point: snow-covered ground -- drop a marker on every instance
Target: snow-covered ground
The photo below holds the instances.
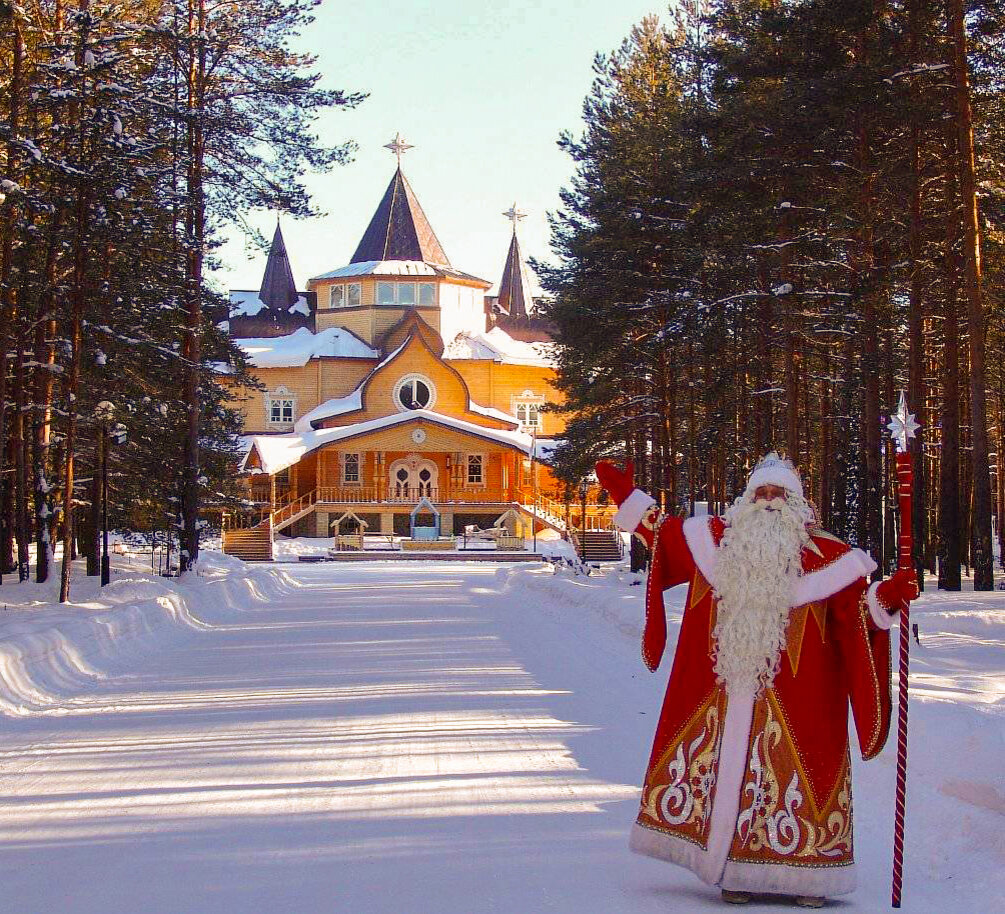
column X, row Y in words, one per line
column 410, row 738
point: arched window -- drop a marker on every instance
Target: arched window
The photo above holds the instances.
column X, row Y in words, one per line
column 527, row 409
column 280, row 407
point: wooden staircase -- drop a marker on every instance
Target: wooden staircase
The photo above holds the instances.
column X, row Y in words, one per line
column 252, row 544
column 293, row 510
column 602, row 546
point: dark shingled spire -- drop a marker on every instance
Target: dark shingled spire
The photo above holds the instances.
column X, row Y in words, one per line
column 279, row 291
column 399, row 229
column 515, row 295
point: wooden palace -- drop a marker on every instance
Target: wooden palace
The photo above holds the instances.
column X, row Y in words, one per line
column 392, row 380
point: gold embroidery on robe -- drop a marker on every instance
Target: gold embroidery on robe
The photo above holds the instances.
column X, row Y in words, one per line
column 680, row 788
column 779, row 820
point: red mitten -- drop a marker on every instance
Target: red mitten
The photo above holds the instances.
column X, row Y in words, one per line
column 619, row 484
column 898, row 590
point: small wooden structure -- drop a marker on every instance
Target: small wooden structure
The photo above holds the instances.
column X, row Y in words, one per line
column 352, row 539
column 424, row 533
column 505, row 531
column 425, row 537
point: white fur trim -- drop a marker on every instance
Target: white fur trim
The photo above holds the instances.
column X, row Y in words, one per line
column 698, row 536
column 633, row 509
column 666, row 846
column 782, row 879
column 880, row 614
column 775, row 474
column 817, row 585
column 832, row 578
column 733, row 754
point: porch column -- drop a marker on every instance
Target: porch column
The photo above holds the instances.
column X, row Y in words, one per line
column 387, row 522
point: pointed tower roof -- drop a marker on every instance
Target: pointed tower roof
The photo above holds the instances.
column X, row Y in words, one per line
column 399, row 229
column 278, row 291
column 516, row 297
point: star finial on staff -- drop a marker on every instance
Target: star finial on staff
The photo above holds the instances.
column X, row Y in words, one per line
column 398, row 146
column 514, row 215
column 902, row 426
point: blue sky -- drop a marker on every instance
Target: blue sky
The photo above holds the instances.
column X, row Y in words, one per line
column 481, row 89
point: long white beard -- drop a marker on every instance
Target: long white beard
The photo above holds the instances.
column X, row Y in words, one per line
column 758, row 565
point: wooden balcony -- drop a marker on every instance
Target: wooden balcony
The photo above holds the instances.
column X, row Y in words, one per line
column 411, row 495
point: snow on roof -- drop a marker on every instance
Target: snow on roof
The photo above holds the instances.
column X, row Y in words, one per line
column 245, row 303
column 299, row 347
column 492, row 412
column 334, row 407
column 338, row 406
column 396, row 268
column 277, row 452
column 499, row 346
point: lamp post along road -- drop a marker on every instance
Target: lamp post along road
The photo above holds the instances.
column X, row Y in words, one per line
column 104, row 412
column 533, row 482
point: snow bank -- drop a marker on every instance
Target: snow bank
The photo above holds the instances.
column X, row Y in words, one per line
column 50, row 652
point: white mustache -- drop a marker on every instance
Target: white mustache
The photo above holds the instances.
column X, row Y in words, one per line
column 774, row 504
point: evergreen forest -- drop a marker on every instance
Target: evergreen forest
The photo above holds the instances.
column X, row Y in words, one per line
column 131, row 135
column 782, row 215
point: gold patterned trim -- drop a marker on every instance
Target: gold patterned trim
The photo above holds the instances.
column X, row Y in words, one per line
column 875, row 745
column 674, row 742
column 672, row 832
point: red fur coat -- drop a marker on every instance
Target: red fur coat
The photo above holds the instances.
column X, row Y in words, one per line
column 753, row 792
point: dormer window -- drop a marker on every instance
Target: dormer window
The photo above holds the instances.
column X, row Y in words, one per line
column 406, row 294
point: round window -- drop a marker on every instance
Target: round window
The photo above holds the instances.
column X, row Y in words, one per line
column 414, row 392
column 402, row 475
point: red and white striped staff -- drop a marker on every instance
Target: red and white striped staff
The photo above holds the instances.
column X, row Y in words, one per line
column 902, row 426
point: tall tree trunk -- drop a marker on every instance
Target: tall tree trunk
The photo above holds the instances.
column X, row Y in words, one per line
column 22, row 529
column 983, row 558
column 871, row 507
column 194, row 236
column 949, row 462
column 7, row 254
column 76, row 316
column 916, row 340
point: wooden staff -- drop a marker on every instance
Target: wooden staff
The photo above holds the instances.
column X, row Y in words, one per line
column 903, row 427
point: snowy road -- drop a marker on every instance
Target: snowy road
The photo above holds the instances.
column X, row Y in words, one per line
column 427, row 739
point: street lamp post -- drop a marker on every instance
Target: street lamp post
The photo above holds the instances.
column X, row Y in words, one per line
column 104, row 412
column 583, row 488
column 533, row 480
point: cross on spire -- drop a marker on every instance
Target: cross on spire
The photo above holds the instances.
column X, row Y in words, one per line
column 398, row 146
column 514, row 215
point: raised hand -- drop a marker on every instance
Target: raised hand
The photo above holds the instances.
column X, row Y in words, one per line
column 898, row 590
column 619, row 483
